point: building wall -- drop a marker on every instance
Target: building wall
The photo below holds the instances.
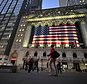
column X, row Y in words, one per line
column 49, row 18
column 9, row 11
column 63, row 3
column 10, row 14
column 68, row 59
column 71, row 2
column 35, row 4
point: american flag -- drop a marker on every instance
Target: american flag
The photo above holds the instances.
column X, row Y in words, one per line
column 65, row 34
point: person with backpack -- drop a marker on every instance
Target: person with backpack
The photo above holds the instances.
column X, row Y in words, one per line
column 53, row 55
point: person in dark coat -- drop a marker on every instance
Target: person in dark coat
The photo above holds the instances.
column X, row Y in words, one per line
column 35, row 61
column 30, row 63
column 24, row 62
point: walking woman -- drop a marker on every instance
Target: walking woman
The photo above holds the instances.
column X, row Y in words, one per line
column 52, row 60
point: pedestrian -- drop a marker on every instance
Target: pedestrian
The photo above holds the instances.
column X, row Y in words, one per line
column 24, row 62
column 48, row 59
column 30, row 64
column 52, row 60
column 35, row 61
column 58, row 66
column 13, row 57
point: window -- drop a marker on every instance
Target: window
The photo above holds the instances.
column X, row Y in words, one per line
column 85, row 55
column 22, row 29
column 44, row 54
column 74, row 55
column 5, row 58
column 19, row 29
column 19, row 40
column 63, row 54
column 16, row 40
column 21, row 34
column 2, row 5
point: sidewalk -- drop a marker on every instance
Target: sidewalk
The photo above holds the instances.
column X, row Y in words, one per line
column 23, row 77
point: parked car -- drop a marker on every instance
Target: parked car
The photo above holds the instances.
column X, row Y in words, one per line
column 6, row 64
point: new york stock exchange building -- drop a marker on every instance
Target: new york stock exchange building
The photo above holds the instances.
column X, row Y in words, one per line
column 64, row 27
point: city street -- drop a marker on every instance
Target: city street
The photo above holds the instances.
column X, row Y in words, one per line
column 23, row 77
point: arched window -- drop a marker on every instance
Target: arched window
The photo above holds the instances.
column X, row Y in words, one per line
column 74, row 55
column 44, row 54
column 63, row 54
column 35, row 53
column 85, row 55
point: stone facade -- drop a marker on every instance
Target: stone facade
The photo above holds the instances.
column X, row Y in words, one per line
column 68, row 59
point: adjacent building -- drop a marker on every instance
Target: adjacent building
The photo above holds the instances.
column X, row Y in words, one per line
column 10, row 14
column 63, row 3
column 35, row 4
column 71, row 2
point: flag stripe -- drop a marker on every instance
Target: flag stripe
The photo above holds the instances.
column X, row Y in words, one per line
column 65, row 34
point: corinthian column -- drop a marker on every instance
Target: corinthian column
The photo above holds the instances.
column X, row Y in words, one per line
column 27, row 36
column 84, row 31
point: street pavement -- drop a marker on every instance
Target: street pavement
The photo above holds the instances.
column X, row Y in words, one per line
column 42, row 77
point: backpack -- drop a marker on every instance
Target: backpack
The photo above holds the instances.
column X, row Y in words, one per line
column 56, row 54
